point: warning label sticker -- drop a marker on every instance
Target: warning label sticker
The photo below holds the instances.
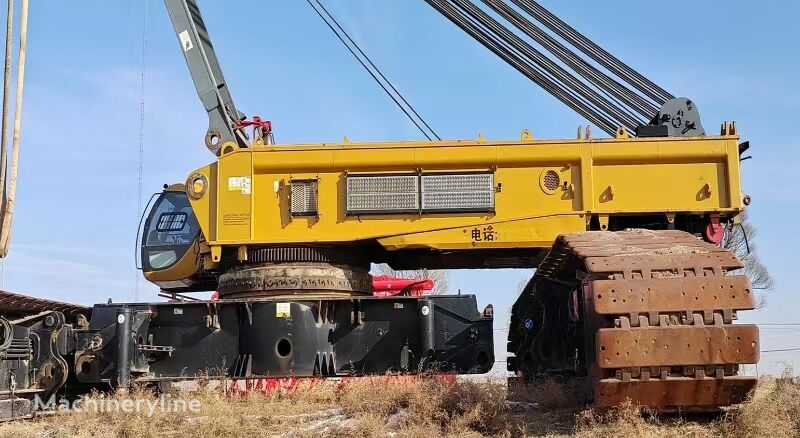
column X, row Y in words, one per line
column 236, row 219
column 239, row 184
column 186, row 41
column 283, row 310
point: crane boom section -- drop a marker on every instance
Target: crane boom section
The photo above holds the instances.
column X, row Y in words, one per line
column 223, row 117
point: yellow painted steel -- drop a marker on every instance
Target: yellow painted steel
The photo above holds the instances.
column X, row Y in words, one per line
column 247, row 201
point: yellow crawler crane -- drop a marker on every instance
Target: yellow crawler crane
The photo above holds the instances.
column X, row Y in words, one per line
column 668, row 289
column 631, row 300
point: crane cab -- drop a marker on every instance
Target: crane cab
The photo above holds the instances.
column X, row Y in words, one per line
column 169, row 246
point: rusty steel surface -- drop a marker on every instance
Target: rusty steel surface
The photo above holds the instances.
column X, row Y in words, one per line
column 695, row 262
column 677, row 392
column 13, row 306
column 660, row 304
column 287, row 279
column 677, row 345
column 673, row 294
column 600, row 244
column 641, row 251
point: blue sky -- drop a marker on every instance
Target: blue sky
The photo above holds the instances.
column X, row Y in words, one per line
column 76, row 209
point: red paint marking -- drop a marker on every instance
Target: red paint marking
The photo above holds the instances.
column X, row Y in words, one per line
column 288, row 385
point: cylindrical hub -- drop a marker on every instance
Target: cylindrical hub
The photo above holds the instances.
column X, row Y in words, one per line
column 124, row 341
column 288, row 279
column 427, row 326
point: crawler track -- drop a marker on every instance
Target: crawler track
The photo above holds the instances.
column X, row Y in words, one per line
column 13, row 306
column 641, row 315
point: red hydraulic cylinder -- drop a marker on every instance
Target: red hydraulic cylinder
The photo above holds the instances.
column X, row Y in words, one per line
column 388, row 286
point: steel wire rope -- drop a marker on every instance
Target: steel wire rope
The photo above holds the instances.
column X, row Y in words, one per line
column 416, row 123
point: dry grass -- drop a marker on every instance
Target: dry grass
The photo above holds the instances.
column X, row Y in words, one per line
column 772, row 411
column 421, row 408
